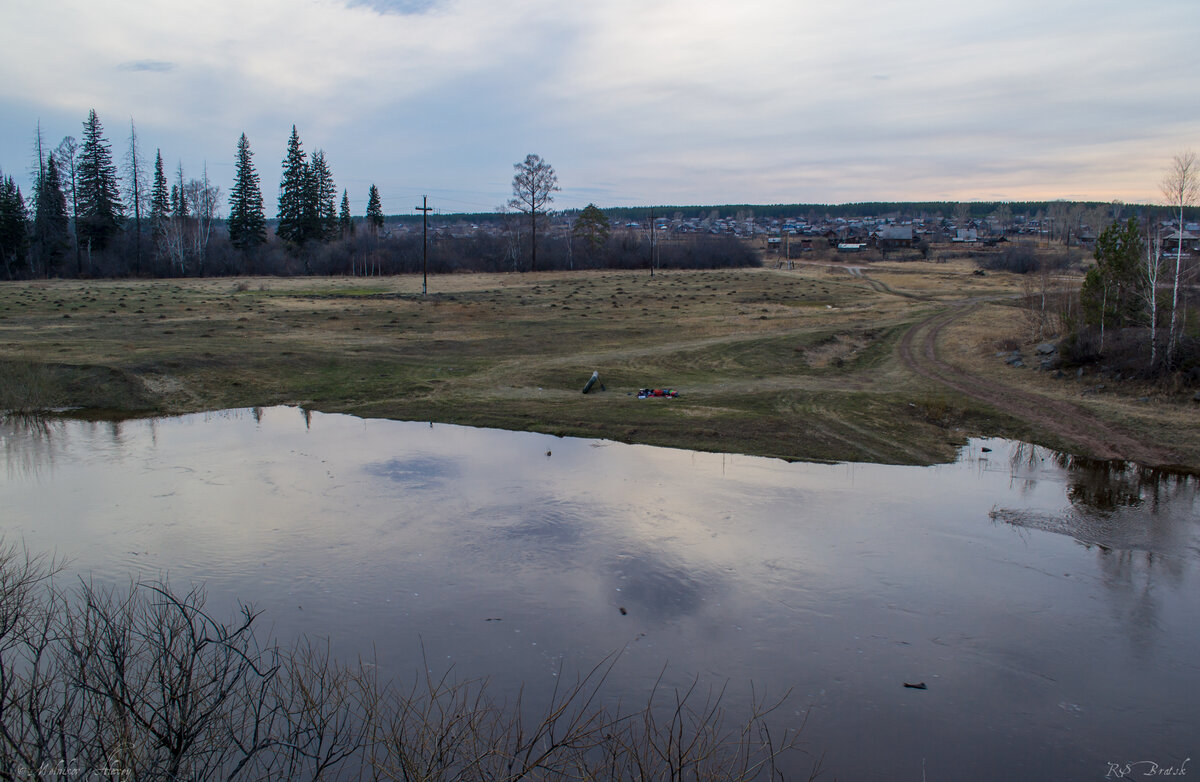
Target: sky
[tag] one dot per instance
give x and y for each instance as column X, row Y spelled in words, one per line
column 633, row 102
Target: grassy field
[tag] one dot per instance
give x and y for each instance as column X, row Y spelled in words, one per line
column 800, row 364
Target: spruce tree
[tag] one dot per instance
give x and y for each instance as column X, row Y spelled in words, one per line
column 160, row 199
column 100, row 208
column 51, row 237
column 179, row 207
column 345, row 221
column 292, row 193
column 323, row 209
column 14, row 227
column 374, row 210
column 247, row 225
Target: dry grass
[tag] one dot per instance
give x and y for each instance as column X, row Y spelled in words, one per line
column 797, row 363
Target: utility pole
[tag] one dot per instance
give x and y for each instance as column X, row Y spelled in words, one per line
column 424, row 209
column 651, row 242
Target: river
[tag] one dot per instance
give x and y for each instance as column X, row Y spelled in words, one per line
column 1051, row 606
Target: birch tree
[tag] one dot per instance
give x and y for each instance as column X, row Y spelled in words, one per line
column 1151, row 271
column 174, row 241
column 1180, row 186
column 202, row 197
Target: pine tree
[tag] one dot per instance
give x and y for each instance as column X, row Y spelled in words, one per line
column 292, row 196
column 51, row 237
column 247, row 225
column 100, row 208
column 592, row 227
column 1109, row 292
column 345, row 221
column 14, row 227
column 160, row 199
column 374, row 210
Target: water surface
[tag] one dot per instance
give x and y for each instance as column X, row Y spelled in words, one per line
column 1050, row 605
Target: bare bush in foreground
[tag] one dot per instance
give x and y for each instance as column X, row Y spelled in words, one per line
column 141, row 683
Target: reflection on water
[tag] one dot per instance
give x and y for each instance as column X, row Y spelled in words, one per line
column 415, row 472
column 28, row 443
column 1051, row 605
column 652, row 585
column 1114, row 505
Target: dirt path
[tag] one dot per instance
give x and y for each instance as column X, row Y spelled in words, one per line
column 1074, row 424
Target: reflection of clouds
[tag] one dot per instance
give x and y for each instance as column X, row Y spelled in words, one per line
column 591, row 538
column 547, row 526
column 420, row 471
column 656, row 585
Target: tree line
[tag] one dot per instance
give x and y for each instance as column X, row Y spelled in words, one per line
column 1135, row 304
column 85, row 218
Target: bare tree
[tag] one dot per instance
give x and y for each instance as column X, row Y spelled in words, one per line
column 67, row 154
column 135, row 182
column 1180, row 186
column 1004, row 218
column 512, row 236
column 173, row 240
column 203, row 200
column 533, row 187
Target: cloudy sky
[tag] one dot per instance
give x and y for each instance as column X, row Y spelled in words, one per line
column 634, row 102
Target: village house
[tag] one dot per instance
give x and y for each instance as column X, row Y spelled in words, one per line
column 892, row 237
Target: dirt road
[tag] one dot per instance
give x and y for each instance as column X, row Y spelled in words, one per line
column 1074, row 424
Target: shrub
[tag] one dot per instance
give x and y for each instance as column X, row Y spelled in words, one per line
column 144, row 683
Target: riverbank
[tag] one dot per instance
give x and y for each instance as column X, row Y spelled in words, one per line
column 799, row 364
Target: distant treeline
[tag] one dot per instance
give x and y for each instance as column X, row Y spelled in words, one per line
column 900, row 210
column 366, row 254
